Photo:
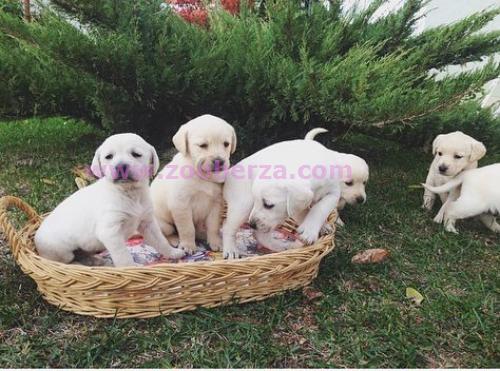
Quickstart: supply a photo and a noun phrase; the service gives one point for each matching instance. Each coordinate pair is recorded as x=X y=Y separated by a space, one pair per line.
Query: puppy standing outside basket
x=453 y=153
x=479 y=195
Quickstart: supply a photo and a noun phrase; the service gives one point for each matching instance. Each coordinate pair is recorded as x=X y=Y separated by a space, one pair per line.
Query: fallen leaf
x=80 y=183
x=414 y=295
x=48 y=181
x=84 y=172
x=370 y=256
x=311 y=293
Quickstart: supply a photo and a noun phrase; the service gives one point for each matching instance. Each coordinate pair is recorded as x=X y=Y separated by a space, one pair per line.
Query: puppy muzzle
x=360 y=200
x=122 y=173
x=218 y=165
x=443 y=169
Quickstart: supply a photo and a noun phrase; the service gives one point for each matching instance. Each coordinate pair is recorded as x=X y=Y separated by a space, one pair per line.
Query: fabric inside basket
x=246 y=242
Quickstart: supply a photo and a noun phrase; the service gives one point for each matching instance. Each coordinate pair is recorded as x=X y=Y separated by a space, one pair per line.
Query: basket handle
x=6 y=226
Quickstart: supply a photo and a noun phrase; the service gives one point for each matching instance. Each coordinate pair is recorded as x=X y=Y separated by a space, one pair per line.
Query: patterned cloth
x=245 y=241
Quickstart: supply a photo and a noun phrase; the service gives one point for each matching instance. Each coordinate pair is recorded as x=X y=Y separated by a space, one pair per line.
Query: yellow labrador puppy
x=187 y=193
x=353 y=186
x=105 y=214
x=295 y=178
x=453 y=153
x=479 y=196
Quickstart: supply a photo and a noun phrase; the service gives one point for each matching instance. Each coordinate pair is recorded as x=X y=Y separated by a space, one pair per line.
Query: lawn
x=362 y=319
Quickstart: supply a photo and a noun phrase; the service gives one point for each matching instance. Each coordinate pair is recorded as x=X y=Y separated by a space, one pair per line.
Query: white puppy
x=353 y=185
x=187 y=193
x=105 y=214
x=453 y=153
x=296 y=178
x=479 y=196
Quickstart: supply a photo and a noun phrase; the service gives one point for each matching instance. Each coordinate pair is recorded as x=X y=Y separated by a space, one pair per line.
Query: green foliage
x=11 y=6
x=468 y=117
x=273 y=73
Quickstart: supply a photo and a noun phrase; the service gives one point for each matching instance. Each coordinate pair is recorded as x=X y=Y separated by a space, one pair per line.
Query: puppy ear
x=298 y=199
x=234 y=141
x=478 y=151
x=435 y=144
x=180 y=140
x=96 y=167
x=155 y=161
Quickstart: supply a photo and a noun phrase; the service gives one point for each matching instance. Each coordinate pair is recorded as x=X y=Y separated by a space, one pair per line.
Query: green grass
x=362 y=319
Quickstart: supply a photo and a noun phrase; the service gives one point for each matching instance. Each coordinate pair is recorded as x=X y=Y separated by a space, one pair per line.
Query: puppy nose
x=253 y=224
x=443 y=168
x=218 y=164
x=122 y=170
x=360 y=199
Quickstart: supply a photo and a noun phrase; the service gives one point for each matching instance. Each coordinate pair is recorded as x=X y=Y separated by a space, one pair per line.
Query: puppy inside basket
x=283 y=238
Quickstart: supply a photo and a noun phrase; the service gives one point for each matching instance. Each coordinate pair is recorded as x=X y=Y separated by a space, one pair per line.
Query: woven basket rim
x=257 y=258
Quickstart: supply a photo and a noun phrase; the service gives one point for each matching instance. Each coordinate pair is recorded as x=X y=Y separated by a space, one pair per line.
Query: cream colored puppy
x=187 y=193
x=479 y=196
x=352 y=182
x=296 y=178
x=453 y=153
x=353 y=185
x=105 y=214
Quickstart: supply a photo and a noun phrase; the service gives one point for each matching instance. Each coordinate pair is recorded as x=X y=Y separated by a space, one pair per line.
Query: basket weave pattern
x=144 y=292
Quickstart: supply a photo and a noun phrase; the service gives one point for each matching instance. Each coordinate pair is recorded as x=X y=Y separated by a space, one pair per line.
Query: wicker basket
x=160 y=289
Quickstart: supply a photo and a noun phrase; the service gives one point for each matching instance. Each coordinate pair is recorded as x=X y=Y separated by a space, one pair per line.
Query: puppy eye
x=364 y=183
x=349 y=184
x=226 y=144
x=109 y=157
x=458 y=157
x=204 y=145
x=267 y=205
x=136 y=155
x=440 y=153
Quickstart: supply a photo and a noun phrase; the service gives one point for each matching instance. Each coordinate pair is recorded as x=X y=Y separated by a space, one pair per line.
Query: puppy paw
x=230 y=253
x=215 y=243
x=340 y=222
x=428 y=204
x=450 y=227
x=308 y=234
x=176 y=253
x=495 y=229
x=327 y=229
x=439 y=218
x=124 y=261
x=187 y=248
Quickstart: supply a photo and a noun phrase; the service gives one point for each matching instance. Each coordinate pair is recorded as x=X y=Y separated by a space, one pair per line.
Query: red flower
x=195 y=11
x=232 y=6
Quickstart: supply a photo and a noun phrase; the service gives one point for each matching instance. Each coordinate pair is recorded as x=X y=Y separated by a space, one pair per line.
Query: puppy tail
x=312 y=134
x=447 y=187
